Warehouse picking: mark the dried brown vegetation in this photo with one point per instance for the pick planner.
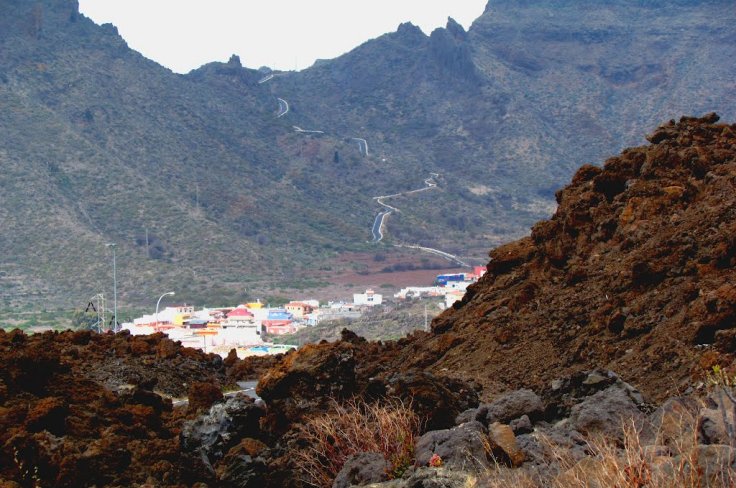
(351, 428)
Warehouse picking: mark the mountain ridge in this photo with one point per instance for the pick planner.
(104, 145)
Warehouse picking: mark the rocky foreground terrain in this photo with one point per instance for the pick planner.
(599, 351)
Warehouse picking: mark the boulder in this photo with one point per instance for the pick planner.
(478, 414)
(715, 466)
(522, 425)
(673, 422)
(717, 421)
(305, 381)
(202, 395)
(244, 465)
(542, 448)
(432, 478)
(506, 408)
(362, 469)
(564, 393)
(511, 406)
(437, 399)
(461, 447)
(607, 412)
(214, 433)
(503, 446)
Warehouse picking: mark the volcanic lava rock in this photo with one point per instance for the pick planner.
(634, 269)
(506, 407)
(202, 395)
(436, 399)
(305, 381)
(245, 465)
(460, 447)
(607, 412)
(214, 433)
(361, 469)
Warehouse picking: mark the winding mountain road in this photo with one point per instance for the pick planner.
(380, 220)
(303, 131)
(283, 108)
(446, 255)
(378, 223)
(377, 229)
(265, 79)
(362, 145)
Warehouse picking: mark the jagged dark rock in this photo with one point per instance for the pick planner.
(460, 447)
(608, 412)
(362, 469)
(214, 433)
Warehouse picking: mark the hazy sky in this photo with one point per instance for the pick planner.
(282, 34)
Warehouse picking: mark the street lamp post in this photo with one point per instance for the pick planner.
(114, 288)
(159, 301)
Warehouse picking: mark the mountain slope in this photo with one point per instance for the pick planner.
(102, 145)
(633, 273)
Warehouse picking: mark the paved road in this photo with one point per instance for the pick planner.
(247, 387)
(377, 229)
(303, 131)
(378, 222)
(446, 255)
(362, 145)
(283, 108)
(378, 225)
(265, 79)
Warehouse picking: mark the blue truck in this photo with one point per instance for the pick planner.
(444, 279)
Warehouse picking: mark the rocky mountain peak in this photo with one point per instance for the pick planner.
(234, 61)
(457, 30)
(410, 33)
(451, 51)
(36, 19)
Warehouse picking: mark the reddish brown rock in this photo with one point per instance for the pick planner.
(202, 395)
(306, 380)
(634, 270)
(502, 444)
(47, 414)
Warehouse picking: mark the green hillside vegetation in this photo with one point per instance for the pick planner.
(98, 144)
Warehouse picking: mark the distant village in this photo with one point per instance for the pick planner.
(245, 327)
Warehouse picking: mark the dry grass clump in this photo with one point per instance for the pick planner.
(673, 460)
(328, 440)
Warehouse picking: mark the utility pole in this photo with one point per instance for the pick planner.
(100, 309)
(101, 313)
(114, 288)
(147, 253)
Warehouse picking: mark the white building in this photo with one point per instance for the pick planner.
(369, 298)
(452, 296)
(458, 285)
(419, 291)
